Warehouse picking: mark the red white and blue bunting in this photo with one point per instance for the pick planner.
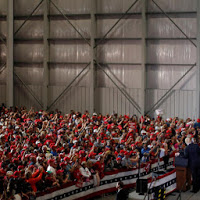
(108, 184)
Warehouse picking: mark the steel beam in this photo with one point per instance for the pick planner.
(59, 10)
(143, 65)
(122, 91)
(168, 92)
(46, 55)
(28, 17)
(3, 40)
(10, 67)
(93, 56)
(29, 90)
(198, 63)
(123, 87)
(116, 23)
(68, 86)
(174, 23)
(3, 67)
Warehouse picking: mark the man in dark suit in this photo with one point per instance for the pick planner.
(192, 152)
(121, 192)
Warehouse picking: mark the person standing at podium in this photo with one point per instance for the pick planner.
(192, 152)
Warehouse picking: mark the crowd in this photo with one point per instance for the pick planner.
(40, 150)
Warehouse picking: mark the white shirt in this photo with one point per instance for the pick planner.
(85, 172)
(51, 169)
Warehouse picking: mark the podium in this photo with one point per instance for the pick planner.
(183, 174)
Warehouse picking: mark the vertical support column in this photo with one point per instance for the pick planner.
(10, 62)
(198, 63)
(143, 63)
(46, 55)
(93, 56)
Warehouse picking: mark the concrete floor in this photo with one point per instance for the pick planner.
(134, 196)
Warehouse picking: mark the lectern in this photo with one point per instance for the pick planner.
(183, 174)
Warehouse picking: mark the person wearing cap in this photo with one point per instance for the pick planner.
(60, 177)
(118, 163)
(51, 166)
(126, 162)
(100, 166)
(197, 124)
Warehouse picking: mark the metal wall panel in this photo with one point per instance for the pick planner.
(125, 56)
(23, 97)
(117, 6)
(2, 93)
(3, 28)
(119, 52)
(3, 77)
(72, 51)
(30, 75)
(30, 30)
(179, 103)
(164, 77)
(62, 29)
(3, 7)
(24, 7)
(124, 75)
(173, 5)
(62, 75)
(76, 98)
(171, 52)
(126, 28)
(112, 100)
(2, 53)
(71, 7)
(28, 53)
(162, 27)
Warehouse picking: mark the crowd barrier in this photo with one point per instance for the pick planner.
(70, 191)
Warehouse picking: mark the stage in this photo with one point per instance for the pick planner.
(134, 196)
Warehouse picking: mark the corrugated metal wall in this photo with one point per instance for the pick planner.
(169, 55)
(3, 33)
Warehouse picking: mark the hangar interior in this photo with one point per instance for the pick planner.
(122, 56)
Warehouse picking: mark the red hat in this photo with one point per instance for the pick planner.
(31, 166)
(63, 164)
(66, 158)
(118, 158)
(15, 160)
(126, 153)
(59, 171)
(198, 120)
(51, 161)
(92, 154)
(2, 171)
(168, 131)
(81, 152)
(84, 116)
(20, 167)
(122, 151)
(16, 173)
